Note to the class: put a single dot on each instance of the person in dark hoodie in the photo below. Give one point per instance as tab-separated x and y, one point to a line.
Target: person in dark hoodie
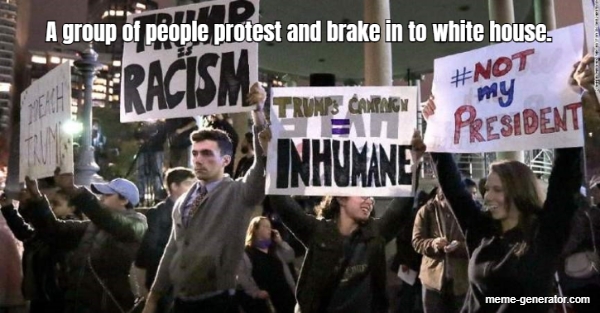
515	249
345	268
102	248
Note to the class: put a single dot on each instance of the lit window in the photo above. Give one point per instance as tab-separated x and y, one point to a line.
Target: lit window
38	59
55	60
4	87
116	63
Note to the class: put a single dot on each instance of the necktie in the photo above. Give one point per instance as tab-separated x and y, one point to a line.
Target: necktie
196	204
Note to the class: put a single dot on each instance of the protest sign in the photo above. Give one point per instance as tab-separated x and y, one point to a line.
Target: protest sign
344	141
45	108
168	79
511	96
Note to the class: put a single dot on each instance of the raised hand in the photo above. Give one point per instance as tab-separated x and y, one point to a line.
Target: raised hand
32	188
429	108
65	181
583	74
257	95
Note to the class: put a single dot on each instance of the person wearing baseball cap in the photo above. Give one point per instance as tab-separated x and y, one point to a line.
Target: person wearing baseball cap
118	194
102	248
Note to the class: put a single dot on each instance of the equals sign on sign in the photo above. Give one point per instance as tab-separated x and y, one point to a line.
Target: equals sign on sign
340	126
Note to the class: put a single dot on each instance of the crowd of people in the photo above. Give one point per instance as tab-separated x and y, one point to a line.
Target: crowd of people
208	248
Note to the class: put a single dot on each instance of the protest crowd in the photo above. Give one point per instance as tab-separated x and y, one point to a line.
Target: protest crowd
218	241
201	249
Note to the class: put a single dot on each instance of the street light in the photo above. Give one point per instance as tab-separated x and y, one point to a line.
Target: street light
86	168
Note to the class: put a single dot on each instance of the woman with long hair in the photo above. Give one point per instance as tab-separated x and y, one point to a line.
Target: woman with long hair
264	274
345	267
515	245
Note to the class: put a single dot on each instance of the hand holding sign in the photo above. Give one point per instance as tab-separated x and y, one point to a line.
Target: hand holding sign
32	188
65	181
257	96
429	108
583	74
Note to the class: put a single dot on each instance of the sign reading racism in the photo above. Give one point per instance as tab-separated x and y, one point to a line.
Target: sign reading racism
511	96
45	107
164	79
341	141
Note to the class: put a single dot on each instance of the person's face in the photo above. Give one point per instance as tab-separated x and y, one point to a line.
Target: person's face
113	202
178	189
357	208
473	191
494	197
264	230
209	164
60	206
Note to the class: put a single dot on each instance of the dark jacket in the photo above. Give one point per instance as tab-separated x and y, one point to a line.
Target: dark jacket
325	250
156	239
495	269
108	241
42	279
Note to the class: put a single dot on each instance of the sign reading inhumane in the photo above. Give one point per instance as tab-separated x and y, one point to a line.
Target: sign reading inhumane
341	141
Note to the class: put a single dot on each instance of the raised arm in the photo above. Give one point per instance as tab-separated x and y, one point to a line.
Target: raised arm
16	223
253	189
561	201
125	227
299	223
472	223
400	210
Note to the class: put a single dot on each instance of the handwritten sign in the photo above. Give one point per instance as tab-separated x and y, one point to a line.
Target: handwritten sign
341	141
169	79
45	107
511	96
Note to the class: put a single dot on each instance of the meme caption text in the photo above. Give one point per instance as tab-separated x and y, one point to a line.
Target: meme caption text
146	31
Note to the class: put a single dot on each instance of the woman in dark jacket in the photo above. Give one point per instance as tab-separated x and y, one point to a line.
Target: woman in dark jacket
514	250
345	268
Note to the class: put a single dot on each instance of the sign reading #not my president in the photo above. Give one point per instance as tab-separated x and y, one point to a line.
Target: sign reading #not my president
45	107
174	79
341	141
510	96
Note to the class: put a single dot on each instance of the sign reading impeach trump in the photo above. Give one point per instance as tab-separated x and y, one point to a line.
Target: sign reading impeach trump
344	141
511	96
165	79
45	107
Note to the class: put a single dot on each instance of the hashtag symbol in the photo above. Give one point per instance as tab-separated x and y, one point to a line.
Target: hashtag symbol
461	77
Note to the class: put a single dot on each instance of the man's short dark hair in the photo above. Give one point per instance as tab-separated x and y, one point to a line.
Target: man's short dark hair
217	135
177	175
249	137
469	183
